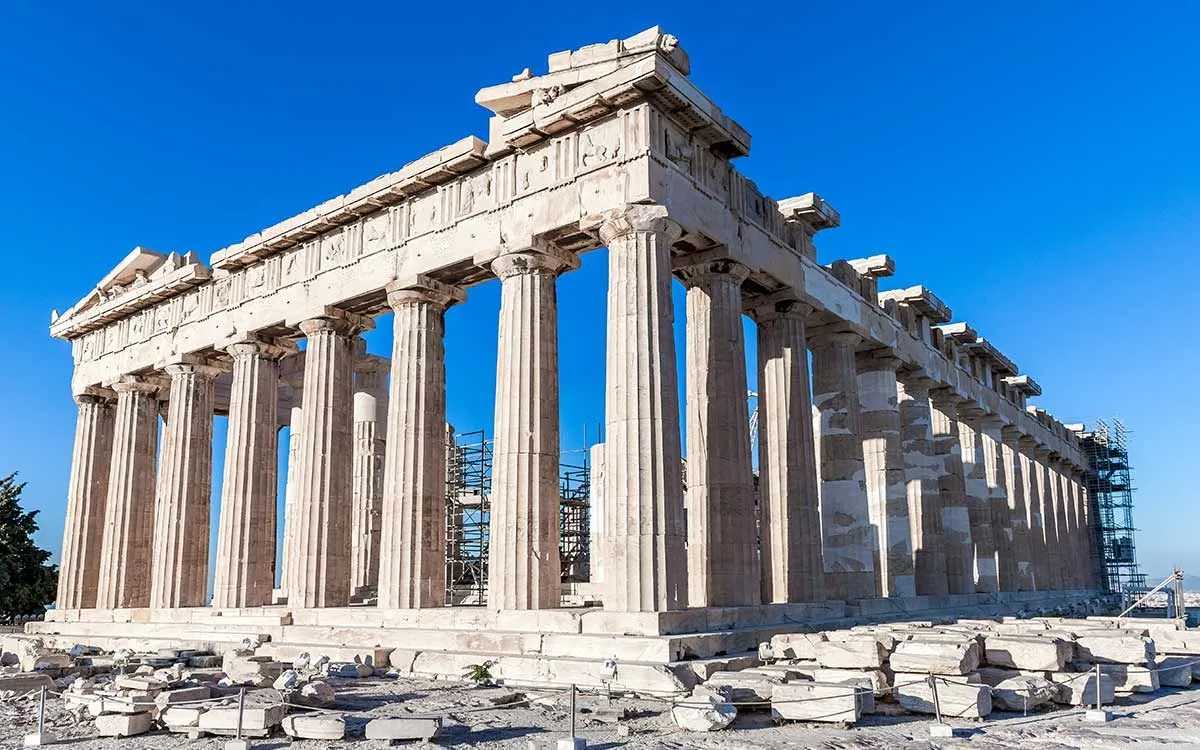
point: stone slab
(256, 722)
(956, 699)
(123, 725)
(1075, 689)
(1131, 678)
(944, 656)
(406, 728)
(861, 652)
(1176, 671)
(1115, 649)
(831, 703)
(314, 726)
(1031, 653)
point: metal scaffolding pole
(1110, 495)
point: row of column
(900, 488)
(897, 489)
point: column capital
(337, 320)
(538, 258)
(639, 218)
(193, 364)
(780, 305)
(1011, 435)
(253, 347)
(696, 270)
(877, 360)
(135, 384)
(371, 363)
(95, 395)
(825, 337)
(945, 397)
(421, 289)
(916, 381)
(969, 410)
(992, 421)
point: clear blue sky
(1036, 165)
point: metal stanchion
(940, 729)
(572, 742)
(1098, 714)
(239, 742)
(40, 737)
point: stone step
(627, 647)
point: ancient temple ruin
(907, 473)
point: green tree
(27, 583)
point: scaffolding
(575, 493)
(468, 484)
(1110, 498)
(468, 489)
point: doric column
(523, 533)
(645, 561)
(288, 561)
(370, 443)
(956, 514)
(789, 510)
(1032, 484)
(1095, 567)
(850, 543)
(883, 460)
(245, 571)
(179, 572)
(124, 577)
(86, 496)
(412, 542)
(723, 565)
(1050, 517)
(979, 503)
(321, 545)
(998, 504)
(1076, 563)
(922, 474)
(1014, 482)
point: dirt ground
(1167, 719)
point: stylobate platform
(657, 652)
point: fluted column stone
(523, 554)
(923, 469)
(179, 565)
(645, 566)
(979, 500)
(245, 569)
(412, 543)
(87, 493)
(790, 515)
(1051, 517)
(321, 546)
(370, 444)
(124, 576)
(1032, 485)
(1018, 511)
(883, 460)
(1074, 546)
(992, 444)
(723, 564)
(956, 514)
(288, 560)
(848, 539)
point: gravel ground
(1168, 719)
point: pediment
(142, 278)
